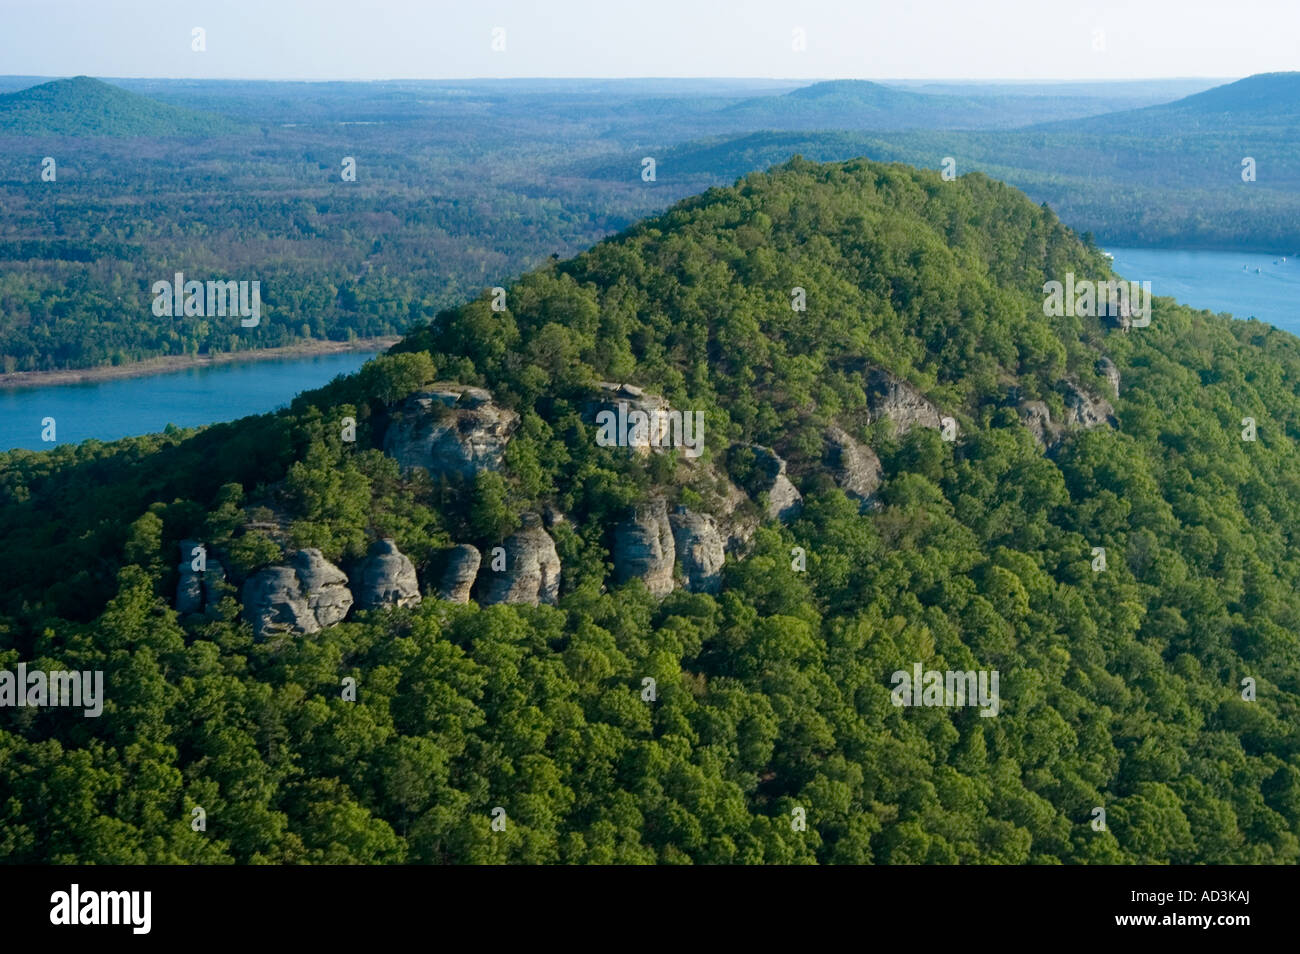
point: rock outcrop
(738, 518)
(1083, 410)
(1036, 416)
(1106, 368)
(386, 577)
(451, 430)
(854, 466)
(701, 551)
(626, 416)
(783, 499)
(532, 568)
(460, 568)
(198, 590)
(644, 548)
(274, 603)
(300, 598)
(888, 397)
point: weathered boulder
(197, 590)
(894, 399)
(644, 547)
(451, 430)
(701, 551)
(738, 519)
(1106, 368)
(1083, 410)
(386, 577)
(189, 588)
(1036, 416)
(460, 568)
(1119, 314)
(300, 598)
(532, 568)
(855, 467)
(626, 416)
(274, 603)
(324, 585)
(783, 499)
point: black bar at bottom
(339, 904)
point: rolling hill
(83, 106)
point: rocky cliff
(531, 572)
(299, 598)
(386, 577)
(452, 430)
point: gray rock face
(1106, 368)
(1085, 411)
(1082, 412)
(626, 416)
(274, 603)
(855, 467)
(1036, 416)
(197, 590)
(783, 499)
(452, 431)
(737, 524)
(300, 598)
(889, 397)
(387, 578)
(459, 572)
(532, 568)
(189, 588)
(1120, 316)
(324, 585)
(644, 548)
(701, 551)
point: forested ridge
(1168, 175)
(1120, 689)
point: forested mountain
(82, 106)
(917, 468)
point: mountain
(83, 106)
(861, 104)
(452, 589)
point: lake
(1220, 281)
(124, 407)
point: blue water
(1221, 281)
(107, 410)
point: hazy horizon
(297, 40)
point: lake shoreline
(168, 363)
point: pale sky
(437, 39)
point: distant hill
(83, 106)
(861, 105)
(1268, 95)
(1162, 175)
(1262, 101)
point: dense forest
(1121, 683)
